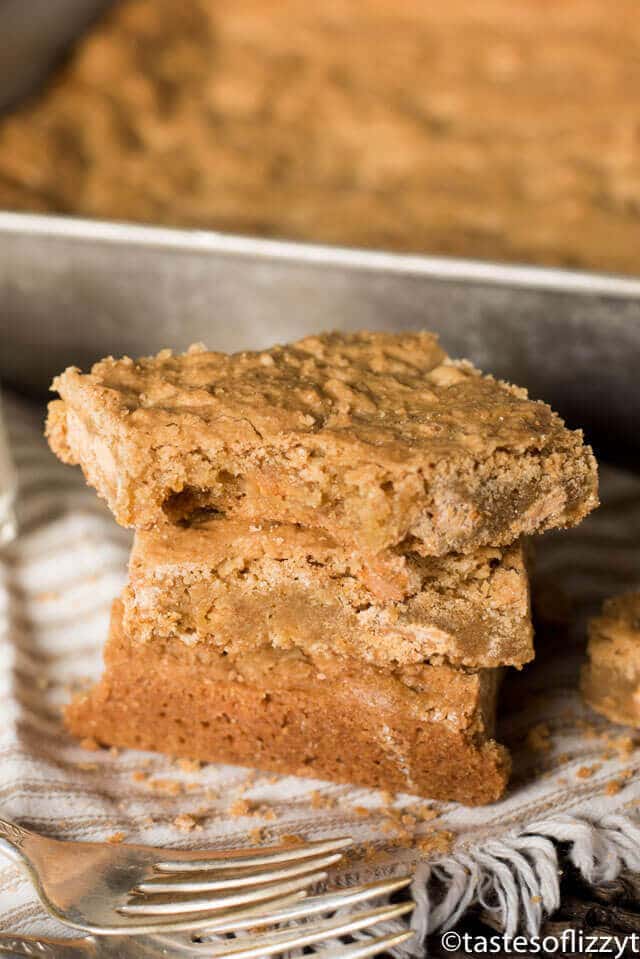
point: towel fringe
(517, 878)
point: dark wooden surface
(612, 909)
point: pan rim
(446, 269)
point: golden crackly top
(400, 392)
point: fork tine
(254, 947)
(178, 884)
(311, 906)
(240, 859)
(214, 903)
(372, 947)
(189, 923)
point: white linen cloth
(571, 780)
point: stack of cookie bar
(328, 573)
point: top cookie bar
(378, 438)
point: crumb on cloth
(240, 808)
(165, 787)
(185, 822)
(189, 765)
(440, 841)
(586, 772)
(116, 837)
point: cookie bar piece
(239, 585)
(611, 677)
(373, 437)
(425, 730)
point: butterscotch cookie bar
(242, 586)
(611, 677)
(422, 729)
(377, 438)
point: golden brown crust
(348, 726)
(374, 437)
(239, 586)
(611, 678)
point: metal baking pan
(72, 291)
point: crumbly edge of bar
(614, 635)
(433, 692)
(610, 679)
(152, 701)
(620, 615)
(611, 692)
(460, 506)
(457, 507)
(476, 615)
(58, 438)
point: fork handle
(43, 948)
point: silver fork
(128, 889)
(258, 945)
